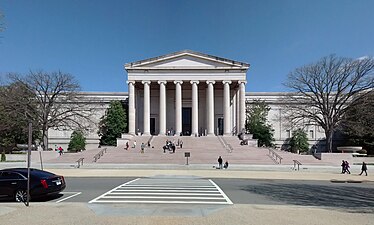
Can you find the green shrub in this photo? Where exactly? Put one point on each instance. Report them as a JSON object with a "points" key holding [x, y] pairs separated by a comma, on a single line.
{"points": [[3, 157], [299, 141], [362, 151], [77, 142]]}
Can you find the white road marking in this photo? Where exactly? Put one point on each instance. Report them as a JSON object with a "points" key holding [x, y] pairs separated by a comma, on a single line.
{"points": [[165, 202], [94, 200], [76, 193], [180, 193], [169, 190], [223, 193], [162, 197]]}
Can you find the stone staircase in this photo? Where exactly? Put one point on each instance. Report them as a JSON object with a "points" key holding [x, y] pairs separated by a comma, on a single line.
{"points": [[203, 150]]}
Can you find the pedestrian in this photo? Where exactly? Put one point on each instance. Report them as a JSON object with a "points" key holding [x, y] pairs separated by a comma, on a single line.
{"points": [[181, 143], [226, 165], [343, 166], [142, 146], [364, 168], [347, 167], [60, 150], [127, 146], [220, 162], [134, 145]]}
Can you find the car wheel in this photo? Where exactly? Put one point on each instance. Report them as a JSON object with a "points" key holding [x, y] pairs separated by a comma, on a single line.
{"points": [[20, 195]]}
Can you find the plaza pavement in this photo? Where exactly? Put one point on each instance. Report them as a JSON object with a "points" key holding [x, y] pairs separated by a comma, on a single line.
{"points": [[237, 214]]}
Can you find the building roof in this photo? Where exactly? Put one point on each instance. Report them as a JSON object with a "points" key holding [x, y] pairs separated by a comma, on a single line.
{"points": [[157, 59]]}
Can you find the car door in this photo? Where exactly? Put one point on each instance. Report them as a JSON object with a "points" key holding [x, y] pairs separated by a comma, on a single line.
{"points": [[10, 182]]}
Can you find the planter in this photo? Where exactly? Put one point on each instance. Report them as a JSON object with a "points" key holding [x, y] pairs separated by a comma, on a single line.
{"points": [[349, 149]]}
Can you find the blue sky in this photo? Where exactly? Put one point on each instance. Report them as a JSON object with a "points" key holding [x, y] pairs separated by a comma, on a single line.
{"points": [[93, 39]]}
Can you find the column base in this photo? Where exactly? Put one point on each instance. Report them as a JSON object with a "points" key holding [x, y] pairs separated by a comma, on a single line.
{"points": [[211, 135], [195, 135], [227, 134], [146, 134], [162, 135]]}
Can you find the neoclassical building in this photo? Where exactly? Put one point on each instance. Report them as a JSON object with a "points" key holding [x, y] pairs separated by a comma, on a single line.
{"points": [[186, 93]]}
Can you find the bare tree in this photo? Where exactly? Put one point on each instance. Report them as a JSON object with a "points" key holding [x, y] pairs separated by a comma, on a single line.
{"points": [[55, 103], [323, 91]]}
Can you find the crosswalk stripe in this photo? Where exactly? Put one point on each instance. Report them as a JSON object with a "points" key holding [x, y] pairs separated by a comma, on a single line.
{"points": [[156, 193], [162, 197], [168, 190], [164, 202]]}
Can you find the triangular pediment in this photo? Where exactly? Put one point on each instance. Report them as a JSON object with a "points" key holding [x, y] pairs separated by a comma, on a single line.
{"points": [[187, 60]]}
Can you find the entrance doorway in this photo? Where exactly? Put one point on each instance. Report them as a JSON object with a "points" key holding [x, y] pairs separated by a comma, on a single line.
{"points": [[153, 126], [220, 126], [186, 121]]}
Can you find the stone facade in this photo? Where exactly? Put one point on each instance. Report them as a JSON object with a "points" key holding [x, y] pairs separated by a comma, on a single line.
{"points": [[185, 93]]}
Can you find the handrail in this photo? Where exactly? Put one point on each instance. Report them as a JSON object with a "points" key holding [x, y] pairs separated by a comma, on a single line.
{"points": [[295, 162], [80, 162], [228, 147], [274, 156], [98, 155], [149, 140]]}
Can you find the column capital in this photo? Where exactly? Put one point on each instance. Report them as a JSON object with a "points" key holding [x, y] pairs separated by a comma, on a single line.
{"points": [[194, 82], [226, 82], [210, 82], [146, 82], [130, 82], [178, 82], [162, 82], [242, 82]]}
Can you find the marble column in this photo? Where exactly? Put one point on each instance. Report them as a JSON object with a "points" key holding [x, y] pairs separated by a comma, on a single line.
{"points": [[226, 108], [242, 104], [147, 112], [210, 108], [237, 111], [178, 107], [131, 107], [162, 109], [195, 108]]}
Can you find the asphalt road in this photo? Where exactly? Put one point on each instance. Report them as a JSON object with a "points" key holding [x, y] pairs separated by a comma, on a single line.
{"points": [[355, 197]]}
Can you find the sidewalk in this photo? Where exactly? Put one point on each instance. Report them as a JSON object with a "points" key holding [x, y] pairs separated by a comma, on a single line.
{"points": [[286, 172]]}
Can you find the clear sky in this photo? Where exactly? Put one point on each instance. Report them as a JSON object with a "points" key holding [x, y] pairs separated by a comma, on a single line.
{"points": [[93, 39]]}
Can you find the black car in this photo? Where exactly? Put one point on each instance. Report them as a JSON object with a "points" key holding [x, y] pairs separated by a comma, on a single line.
{"points": [[13, 183]]}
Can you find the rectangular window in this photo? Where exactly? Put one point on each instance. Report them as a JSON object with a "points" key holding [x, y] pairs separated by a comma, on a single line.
{"points": [[288, 133], [311, 134]]}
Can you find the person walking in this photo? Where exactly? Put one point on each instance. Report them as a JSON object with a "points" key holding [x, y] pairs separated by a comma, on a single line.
{"points": [[226, 165], [364, 168], [60, 150], [142, 146], [127, 146], [134, 146], [220, 160], [181, 144], [343, 166], [347, 167]]}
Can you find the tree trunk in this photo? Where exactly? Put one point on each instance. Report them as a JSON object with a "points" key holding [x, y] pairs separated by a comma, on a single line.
{"points": [[45, 139], [329, 134]]}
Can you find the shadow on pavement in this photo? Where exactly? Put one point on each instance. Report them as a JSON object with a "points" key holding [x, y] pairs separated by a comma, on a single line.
{"points": [[352, 199]]}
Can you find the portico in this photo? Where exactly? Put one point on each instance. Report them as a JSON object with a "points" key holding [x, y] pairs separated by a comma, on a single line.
{"points": [[186, 93]]}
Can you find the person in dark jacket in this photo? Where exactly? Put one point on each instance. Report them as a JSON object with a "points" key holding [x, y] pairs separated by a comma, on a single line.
{"points": [[220, 161], [364, 168]]}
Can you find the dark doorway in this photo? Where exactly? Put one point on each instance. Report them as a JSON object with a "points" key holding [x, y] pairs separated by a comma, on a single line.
{"points": [[153, 126], [220, 126], [186, 120]]}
